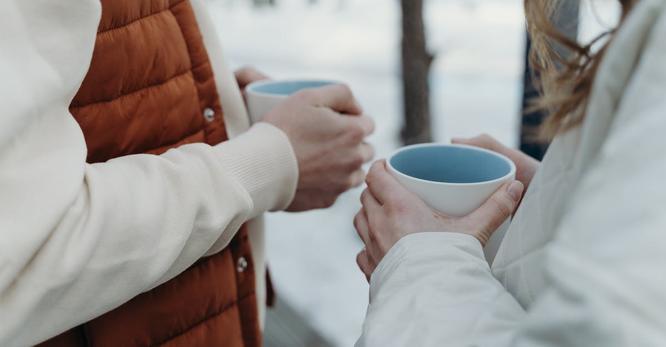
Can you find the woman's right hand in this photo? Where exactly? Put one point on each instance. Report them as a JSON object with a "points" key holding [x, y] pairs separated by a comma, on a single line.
{"points": [[391, 212], [526, 166]]}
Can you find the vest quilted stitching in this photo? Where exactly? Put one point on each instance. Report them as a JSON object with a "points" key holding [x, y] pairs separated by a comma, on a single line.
{"points": [[150, 87]]}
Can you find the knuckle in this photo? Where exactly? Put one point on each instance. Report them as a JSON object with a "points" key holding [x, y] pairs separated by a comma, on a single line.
{"points": [[488, 141], [481, 140], [374, 169], [389, 204], [484, 137], [503, 206], [351, 183], [370, 176], [345, 89], [356, 161], [394, 208], [304, 95], [372, 234], [357, 134], [395, 218], [369, 153], [371, 124], [359, 177], [364, 195], [354, 132]]}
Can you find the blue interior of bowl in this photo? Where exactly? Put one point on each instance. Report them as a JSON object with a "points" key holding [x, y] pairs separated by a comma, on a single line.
{"points": [[288, 87], [450, 164]]}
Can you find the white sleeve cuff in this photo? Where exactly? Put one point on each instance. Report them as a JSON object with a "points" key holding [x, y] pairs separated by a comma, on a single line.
{"points": [[423, 252], [263, 162]]}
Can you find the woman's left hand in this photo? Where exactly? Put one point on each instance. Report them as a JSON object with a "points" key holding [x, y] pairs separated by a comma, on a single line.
{"points": [[390, 212]]}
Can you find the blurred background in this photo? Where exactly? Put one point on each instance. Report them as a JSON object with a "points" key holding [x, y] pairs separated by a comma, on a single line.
{"points": [[464, 74]]}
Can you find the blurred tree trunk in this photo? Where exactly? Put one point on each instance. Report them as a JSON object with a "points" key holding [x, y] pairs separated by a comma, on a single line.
{"points": [[416, 61], [258, 3], [530, 143]]}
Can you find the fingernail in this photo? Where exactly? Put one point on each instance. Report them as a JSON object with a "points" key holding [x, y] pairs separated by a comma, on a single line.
{"points": [[515, 189]]}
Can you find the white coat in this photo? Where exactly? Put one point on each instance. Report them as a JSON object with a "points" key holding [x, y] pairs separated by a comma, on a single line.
{"points": [[584, 260]]}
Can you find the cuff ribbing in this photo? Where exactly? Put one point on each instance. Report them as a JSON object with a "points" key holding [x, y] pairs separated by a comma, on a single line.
{"points": [[263, 162]]}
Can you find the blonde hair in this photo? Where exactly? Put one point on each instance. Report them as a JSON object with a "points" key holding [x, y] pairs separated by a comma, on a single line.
{"points": [[565, 68]]}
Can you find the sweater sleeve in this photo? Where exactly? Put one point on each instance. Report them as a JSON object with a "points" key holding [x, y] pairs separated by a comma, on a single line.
{"points": [[77, 240]]}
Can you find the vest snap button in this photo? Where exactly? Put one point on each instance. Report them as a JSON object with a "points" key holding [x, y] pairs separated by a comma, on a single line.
{"points": [[209, 114], [241, 265]]}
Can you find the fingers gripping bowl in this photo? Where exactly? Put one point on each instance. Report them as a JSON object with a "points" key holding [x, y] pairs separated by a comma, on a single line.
{"points": [[453, 179]]}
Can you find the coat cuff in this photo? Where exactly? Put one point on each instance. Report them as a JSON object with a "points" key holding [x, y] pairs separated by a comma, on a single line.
{"points": [[420, 253], [263, 162]]}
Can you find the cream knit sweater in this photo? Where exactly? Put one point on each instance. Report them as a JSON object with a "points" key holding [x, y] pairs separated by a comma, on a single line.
{"points": [[77, 240]]}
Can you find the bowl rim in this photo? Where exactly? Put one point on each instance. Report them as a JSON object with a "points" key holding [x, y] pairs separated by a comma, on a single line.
{"points": [[251, 88], [510, 174]]}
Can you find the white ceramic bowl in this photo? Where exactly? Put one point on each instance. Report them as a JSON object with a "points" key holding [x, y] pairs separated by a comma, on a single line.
{"points": [[454, 179], [262, 96]]}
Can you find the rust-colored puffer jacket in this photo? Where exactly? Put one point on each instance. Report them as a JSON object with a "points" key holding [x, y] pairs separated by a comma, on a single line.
{"points": [[150, 87]]}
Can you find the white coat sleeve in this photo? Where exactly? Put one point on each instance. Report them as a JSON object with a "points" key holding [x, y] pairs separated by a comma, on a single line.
{"points": [[605, 269], [605, 266], [77, 240], [434, 289]]}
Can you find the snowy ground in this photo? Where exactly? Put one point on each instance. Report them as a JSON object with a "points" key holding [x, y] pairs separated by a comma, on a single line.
{"points": [[475, 88]]}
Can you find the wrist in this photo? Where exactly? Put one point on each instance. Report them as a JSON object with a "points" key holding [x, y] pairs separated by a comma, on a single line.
{"points": [[263, 162]]}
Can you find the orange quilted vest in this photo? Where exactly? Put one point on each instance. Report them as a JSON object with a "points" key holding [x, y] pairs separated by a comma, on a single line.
{"points": [[150, 87]]}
